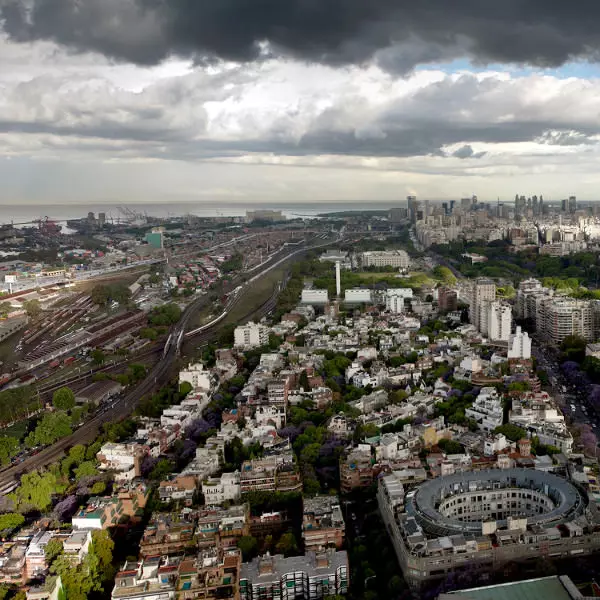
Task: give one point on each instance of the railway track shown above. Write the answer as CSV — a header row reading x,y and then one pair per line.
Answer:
x,y
156,377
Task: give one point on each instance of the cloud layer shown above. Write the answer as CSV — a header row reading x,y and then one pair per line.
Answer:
x,y
399,34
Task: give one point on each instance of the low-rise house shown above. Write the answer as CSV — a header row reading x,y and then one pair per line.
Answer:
x,y
51,589
179,489
152,578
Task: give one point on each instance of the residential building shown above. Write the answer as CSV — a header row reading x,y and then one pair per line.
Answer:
x,y
251,335
179,489
271,473
447,299
197,376
486,410
223,489
213,574
152,578
323,523
77,545
482,292
499,321
519,345
310,577
168,534
51,589
357,469
124,459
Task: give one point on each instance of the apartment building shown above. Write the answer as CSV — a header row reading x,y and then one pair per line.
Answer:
x,y
124,459
482,291
251,335
218,490
486,410
310,577
357,470
271,473
323,523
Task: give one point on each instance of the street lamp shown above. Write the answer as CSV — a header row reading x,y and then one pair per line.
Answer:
x,y
368,579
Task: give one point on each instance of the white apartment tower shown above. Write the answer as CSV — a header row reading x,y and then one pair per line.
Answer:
x,y
499,320
338,279
519,345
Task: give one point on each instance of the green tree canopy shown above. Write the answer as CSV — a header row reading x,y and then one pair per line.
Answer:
x,y
63,399
52,427
11,520
512,432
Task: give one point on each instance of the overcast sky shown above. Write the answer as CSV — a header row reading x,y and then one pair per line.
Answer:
x,y
297,100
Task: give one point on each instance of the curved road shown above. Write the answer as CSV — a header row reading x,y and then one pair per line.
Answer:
x,y
156,377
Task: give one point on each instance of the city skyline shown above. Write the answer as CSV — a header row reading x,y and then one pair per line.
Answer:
x,y
117,101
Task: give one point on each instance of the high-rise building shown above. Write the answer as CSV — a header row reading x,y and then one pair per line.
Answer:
x,y
447,299
411,204
398,215
519,345
483,291
499,320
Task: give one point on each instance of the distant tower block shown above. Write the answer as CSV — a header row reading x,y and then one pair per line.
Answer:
x,y
338,279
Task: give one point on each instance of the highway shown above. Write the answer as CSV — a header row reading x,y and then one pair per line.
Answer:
x,y
157,376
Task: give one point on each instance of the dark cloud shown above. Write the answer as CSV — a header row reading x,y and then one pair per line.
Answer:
x,y
398,33
467,151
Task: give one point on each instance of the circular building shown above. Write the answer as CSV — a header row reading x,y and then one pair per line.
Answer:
x,y
466,502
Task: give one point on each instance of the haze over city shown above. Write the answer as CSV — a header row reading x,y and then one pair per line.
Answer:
x,y
112,101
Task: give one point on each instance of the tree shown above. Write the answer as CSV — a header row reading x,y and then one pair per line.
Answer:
x,y
161,470
102,548
249,547
185,387
5,308
9,447
33,308
52,550
512,432
97,356
52,427
138,372
11,520
86,469
63,399
149,333
304,381
287,544
36,490
98,488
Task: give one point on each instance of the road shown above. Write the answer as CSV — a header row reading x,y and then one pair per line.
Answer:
x,y
157,376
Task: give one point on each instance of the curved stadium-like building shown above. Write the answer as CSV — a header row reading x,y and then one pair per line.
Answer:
x,y
465,502
478,521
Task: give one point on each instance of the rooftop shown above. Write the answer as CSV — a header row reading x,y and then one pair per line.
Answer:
x,y
552,588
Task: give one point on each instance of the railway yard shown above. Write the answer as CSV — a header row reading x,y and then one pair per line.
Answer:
x,y
86,336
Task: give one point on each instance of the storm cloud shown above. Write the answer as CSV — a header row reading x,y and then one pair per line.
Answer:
x,y
397,34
